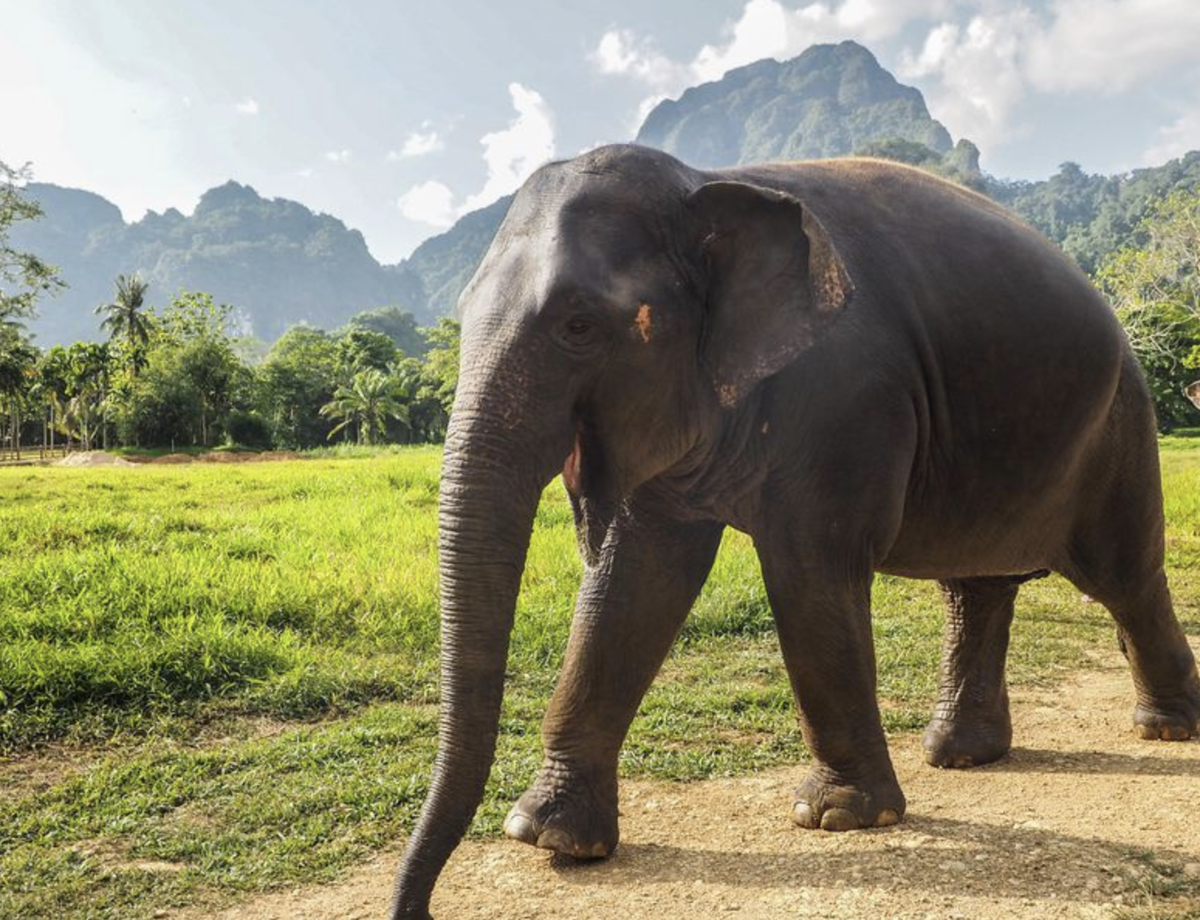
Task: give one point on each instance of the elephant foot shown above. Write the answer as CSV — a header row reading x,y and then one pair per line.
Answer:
x,y
831,806
1168,721
967,741
566,814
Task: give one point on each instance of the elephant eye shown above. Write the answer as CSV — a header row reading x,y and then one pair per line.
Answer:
x,y
578,328
580,331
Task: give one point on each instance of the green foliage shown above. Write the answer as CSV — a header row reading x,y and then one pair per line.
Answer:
x,y
960,165
124,317
24,277
366,403
398,325
1154,286
297,378
1090,215
247,429
362,349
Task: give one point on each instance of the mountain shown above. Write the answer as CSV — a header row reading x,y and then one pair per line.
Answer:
x,y
279,263
275,260
830,101
446,262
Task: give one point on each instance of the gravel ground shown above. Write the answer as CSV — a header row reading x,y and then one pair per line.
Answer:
x,y
1058,829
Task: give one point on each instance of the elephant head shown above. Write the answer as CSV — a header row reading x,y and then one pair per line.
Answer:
x,y
625,310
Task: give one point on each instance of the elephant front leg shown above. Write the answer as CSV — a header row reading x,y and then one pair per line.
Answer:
x,y
823,617
630,607
971,723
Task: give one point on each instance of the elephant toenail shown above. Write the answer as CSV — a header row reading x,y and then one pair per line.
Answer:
x,y
519,827
839,819
802,814
887,818
557,840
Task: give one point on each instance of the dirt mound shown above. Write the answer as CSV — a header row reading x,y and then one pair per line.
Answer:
x,y
227,456
92,458
1058,829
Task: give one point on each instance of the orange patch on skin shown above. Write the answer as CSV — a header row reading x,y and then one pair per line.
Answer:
x,y
644,322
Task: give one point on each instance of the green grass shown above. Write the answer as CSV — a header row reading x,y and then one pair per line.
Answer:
x,y
221,678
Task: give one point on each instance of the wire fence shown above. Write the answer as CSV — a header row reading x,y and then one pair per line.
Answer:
x,y
11,454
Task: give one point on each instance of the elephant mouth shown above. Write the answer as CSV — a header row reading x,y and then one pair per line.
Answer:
x,y
594,509
573,466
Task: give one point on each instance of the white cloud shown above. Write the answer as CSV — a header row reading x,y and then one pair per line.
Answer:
x,y
622,52
430,203
247,106
977,76
973,75
419,144
513,154
1175,139
338,156
762,32
764,29
1111,45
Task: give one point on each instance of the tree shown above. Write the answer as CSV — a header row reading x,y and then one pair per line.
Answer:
x,y
18,361
125,318
1154,286
398,325
87,378
297,378
367,402
361,349
192,379
51,390
441,364
23,276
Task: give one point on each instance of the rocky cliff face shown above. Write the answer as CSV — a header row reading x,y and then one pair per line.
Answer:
x,y
830,101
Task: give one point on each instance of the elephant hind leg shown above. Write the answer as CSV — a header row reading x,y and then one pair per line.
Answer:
x,y
1116,557
1164,669
971,723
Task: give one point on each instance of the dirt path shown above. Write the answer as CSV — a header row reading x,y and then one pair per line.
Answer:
x,y
1051,832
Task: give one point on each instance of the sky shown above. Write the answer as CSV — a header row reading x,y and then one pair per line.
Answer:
x,y
398,117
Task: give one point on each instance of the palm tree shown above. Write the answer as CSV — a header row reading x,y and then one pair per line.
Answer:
x,y
367,402
125,317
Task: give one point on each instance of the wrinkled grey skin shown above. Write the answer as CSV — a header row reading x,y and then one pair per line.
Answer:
x,y
864,368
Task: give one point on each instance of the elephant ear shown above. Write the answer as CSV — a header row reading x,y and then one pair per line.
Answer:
x,y
775,282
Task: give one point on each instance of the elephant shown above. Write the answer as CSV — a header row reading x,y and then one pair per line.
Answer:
x,y
865,368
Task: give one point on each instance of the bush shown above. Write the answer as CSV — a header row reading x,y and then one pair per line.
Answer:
x,y
247,429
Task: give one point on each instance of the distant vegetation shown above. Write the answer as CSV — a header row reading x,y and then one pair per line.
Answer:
x,y
288,273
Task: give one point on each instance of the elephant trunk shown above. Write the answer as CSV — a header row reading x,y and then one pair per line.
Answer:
x,y
488,498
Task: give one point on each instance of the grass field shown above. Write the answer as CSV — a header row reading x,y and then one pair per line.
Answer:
x,y
221,678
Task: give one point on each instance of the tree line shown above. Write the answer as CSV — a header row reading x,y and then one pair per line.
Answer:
x,y
181,376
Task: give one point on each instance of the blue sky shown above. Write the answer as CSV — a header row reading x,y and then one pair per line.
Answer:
x,y
398,117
